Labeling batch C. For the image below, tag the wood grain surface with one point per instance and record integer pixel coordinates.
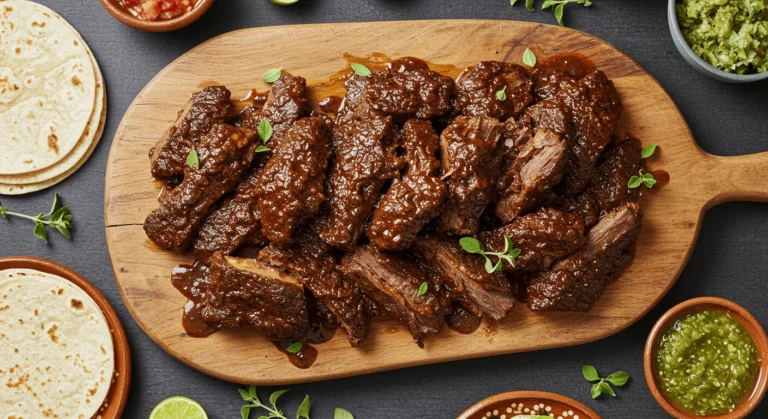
(317, 52)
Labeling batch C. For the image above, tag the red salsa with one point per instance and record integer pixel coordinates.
(157, 9)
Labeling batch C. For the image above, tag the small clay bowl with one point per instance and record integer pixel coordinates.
(739, 314)
(118, 392)
(186, 19)
(508, 405)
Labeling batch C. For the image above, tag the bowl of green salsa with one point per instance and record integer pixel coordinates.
(704, 358)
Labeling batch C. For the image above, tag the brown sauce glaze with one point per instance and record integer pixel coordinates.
(463, 321)
(190, 280)
(331, 105)
(254, 97)
(302, 359)
(574, 64)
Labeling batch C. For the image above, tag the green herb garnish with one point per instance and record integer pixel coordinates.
(265, 133)
(273, 412)
(502, 94)
(340, 413)
(295, 347)
(529, 58)
(272, 75)
(58, 217)
(531, 417)
(602, 386)
(303, 412)
(643, 178)
(361, 70)
(472, 245)
(193, 160)
(648, 151)
(423, 288)
(252, 397)
(558, 5)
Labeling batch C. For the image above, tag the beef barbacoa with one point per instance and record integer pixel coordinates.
(348, 218)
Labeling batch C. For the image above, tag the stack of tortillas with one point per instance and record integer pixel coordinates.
(57, 357)
(52, 98)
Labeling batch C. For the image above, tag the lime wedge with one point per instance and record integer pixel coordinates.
(284, 2)
(178, 407)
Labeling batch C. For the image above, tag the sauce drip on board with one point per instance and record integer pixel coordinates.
(190, 280)
(302, 359)
(463, 321)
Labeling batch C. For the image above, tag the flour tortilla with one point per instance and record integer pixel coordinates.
(57, 355)
(47, 87)
(83, 147)
(11, 189)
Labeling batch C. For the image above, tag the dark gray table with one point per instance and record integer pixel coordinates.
(729, 260)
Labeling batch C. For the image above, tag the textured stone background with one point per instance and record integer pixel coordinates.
(729, 260)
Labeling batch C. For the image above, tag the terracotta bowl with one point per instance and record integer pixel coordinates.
(739, 314)
(118, 393)
(508, 405)
(186, 19)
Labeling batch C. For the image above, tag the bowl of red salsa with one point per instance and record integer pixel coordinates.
(157, 15)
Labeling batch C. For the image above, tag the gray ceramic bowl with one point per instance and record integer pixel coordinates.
(697, 62)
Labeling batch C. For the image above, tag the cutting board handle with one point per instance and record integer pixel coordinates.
(738, 178)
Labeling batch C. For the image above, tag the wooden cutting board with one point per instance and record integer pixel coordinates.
(317, 52)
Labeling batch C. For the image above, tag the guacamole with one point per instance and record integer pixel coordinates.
(731, 35)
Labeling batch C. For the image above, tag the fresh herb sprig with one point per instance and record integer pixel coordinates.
(502, 94)
(265, 133)
(423, 288)
(272, 75)
(529, 58)
(58, 217)
(472, 245)
(602, 385)
(646, 179)
(361, 70)
(557, 5)
(251, 396)
(193, 160)
(295, 347)
(340, 413)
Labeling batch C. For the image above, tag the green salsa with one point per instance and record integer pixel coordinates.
(731, 35)
(707, 363)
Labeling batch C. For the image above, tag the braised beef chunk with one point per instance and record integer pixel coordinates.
(393, 282)
(471, 162)
(477, 86)
(543, 237)
(592, 108)
(464, 275)
(538, 167)
(245, 292)
(583, 204)
(206, 107)
(577, 282)
(365, 160)
(309, 259)
(409, 89)
(224, 155)
(415, 199)
(620, 162)
(236, 222)
(285, 105)
(290, 189)
(608, 188)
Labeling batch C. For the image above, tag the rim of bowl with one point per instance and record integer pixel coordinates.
(117, 396)
(741, 315)
(201, 7)
(526, 394)
(685, 49)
